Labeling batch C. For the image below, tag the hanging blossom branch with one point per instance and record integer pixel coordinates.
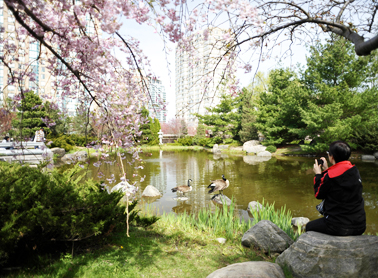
(82, 60)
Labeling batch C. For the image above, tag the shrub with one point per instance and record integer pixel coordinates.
(68, 141)
(39, 209)
(271, 148)
(200, 140)
(186, 141)
(63, 141)
(217, 140)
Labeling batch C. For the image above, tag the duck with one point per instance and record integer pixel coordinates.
(219, 185)
(183, 188)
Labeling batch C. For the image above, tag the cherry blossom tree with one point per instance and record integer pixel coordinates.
(258, 27)
(78, 40)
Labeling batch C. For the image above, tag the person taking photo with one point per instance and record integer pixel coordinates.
(340, 187)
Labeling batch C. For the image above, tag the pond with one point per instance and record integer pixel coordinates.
(280, 180)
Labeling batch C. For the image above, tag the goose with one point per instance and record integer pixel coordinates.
(219, 185)
(183, 188)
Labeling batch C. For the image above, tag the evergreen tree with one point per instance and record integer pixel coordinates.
(224, 119)
(62, 122)
(342, 104)
(29, 116)
(149, 129)
(249, 98)
(278, 117)
(201, 130)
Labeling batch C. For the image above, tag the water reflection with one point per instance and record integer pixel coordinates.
(282, 180)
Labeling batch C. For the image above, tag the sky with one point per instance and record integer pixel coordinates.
(152, 45)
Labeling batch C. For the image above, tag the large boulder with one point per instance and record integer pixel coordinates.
(151, 191)
(249, 270)
(320, 255)
(266, 236)
(254, 160)
(376, 155)
(253, 146)
(367, 157)
(264, 154)
(60, 152)
(75, 157)
(80, 155)
(215, 149)
(124, 187)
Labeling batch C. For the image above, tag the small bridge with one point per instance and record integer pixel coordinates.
(25, 152)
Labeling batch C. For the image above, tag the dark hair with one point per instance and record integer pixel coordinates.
(340, 151)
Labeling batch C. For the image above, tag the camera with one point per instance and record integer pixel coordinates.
(320, 161)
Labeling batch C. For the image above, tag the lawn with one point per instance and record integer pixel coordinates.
(172, 247)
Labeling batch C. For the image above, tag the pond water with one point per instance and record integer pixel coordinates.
(280, 180)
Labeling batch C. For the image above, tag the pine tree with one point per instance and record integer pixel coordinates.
(29, 116)
(224, 119)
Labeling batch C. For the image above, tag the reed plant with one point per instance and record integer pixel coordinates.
(222, 221)
(282, 218)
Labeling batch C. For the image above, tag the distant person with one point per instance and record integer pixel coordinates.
(7, 140)
(39, 136)
(340, 187)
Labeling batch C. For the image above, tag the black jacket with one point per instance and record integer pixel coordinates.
(341, 188)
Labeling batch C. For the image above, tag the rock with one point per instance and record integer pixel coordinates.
(74, 157)
(151, 191)
(60, 152)
(254, 160)
(254, 206)
(80, 155)
(368, 157)
(237, 148)
(68, 158)
(295, 221)
(264, 153)
(320, 255)
(223, 147)
(215, 149)
(249, 270)
(221, 240)
(220, 199)
(267, 236)
(376, 155)
(125, 187)
(253, 146)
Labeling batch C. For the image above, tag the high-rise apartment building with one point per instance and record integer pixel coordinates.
(193, 92)
(28, 55)
(158, 100)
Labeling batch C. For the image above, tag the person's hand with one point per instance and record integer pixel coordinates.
(317, 168)
(325, 163)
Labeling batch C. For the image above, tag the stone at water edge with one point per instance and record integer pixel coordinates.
(268, 237)
(151, 191)
(256, 206)
(60, 152)
(317, 255)
(295, 221)
(253, 146)
(220, 199)
(249, 270)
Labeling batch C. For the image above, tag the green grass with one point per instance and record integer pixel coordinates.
(175, 246)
